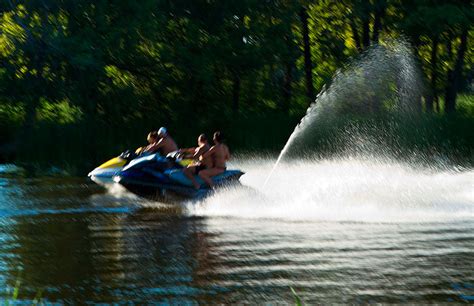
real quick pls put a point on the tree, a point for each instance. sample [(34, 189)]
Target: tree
[(308, 64)]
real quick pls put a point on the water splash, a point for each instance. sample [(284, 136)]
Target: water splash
[(363, 182), (346, 189), (384, 79)]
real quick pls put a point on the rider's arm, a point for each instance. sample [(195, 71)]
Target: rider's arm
[(187, 150), (208, 153), (200, 151), (227, 155), (156, 146)]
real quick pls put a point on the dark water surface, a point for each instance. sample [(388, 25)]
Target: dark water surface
[(76, 242)]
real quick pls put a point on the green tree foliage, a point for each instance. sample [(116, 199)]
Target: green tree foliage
[(169, 62), (439, 31)]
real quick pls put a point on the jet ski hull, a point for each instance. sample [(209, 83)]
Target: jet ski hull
[(125, 161), (165, 185), (109, 168), (154, 176)]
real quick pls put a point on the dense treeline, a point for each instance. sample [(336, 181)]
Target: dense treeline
[(202, 64)]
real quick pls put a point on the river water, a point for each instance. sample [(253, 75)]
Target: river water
[(336, 231)]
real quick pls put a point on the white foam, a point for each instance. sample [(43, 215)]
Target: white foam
[(351, 189)]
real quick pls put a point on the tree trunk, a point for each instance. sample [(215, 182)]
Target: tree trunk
[(449, 104), (285, 106), (366, 25), (25, 134), (378, 16), (434, 59), (366, 33), (416, 47), (355, 34), (308, 65), (449, 45), (235, 93), (454, 76)]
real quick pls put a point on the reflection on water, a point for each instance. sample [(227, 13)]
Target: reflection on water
[(80, 243)]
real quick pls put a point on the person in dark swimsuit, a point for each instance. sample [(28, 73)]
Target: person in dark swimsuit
[(198, 165), (219, 153)]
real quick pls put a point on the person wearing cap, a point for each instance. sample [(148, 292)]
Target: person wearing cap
[(165, 145)]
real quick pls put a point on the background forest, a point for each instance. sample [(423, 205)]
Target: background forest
[(82, 80)]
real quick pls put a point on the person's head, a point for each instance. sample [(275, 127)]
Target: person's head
[(202, 139), (152, 137), (217, 137), (162, 132)]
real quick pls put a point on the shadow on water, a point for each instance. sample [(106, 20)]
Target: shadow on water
[(85, 256)]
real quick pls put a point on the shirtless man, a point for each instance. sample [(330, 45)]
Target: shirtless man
[(195, 152), (197, 165), (166, 144), (219, 153), (152, 139)]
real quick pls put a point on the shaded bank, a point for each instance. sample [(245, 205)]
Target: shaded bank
[(79, 147)]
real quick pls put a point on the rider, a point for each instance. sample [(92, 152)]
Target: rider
[(166, 144), (219, 153), (195, 152), (152, 139), (197, 165)]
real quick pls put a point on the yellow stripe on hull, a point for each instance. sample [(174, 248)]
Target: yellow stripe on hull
[(118, 162), (115, 162), (186, 162)]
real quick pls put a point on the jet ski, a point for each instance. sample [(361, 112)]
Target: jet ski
[(155, 176), (112, 167)]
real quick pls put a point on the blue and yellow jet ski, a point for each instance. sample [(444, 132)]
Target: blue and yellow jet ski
[(113, 166), (155, 176)]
